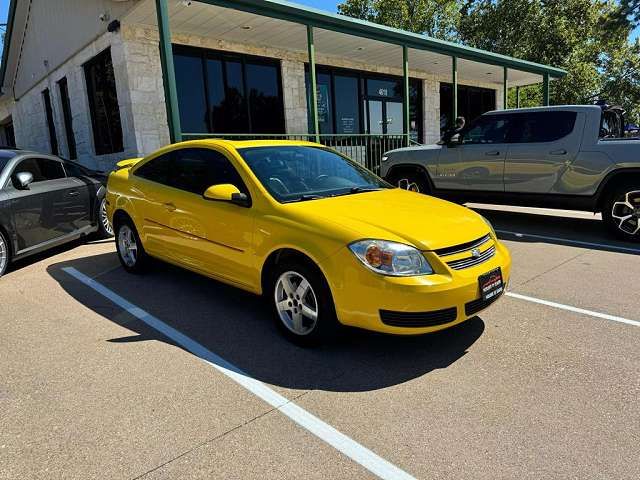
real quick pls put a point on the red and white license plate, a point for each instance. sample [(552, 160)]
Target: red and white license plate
[(491, 284)]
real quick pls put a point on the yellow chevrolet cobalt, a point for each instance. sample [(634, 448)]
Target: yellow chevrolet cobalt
[(327, 242)]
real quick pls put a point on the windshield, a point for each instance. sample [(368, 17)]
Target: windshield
[(298, 173)]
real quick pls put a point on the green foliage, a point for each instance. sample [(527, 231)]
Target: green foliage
[(588, 38), (436, 18)]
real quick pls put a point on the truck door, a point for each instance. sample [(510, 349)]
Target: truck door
[(476, 161), (542, 145)]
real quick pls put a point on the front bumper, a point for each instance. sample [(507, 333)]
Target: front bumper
[(360, 295)]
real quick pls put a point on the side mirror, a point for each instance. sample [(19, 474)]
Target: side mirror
[(23, 180), (227, 193)]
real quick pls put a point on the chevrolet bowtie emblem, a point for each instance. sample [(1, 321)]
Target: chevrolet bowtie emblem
[(475, 253)]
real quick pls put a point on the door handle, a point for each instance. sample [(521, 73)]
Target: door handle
[(170, 206), (493, 153), (73, 193), (559, 152)]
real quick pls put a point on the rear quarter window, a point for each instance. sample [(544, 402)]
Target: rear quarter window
[(541, 127)]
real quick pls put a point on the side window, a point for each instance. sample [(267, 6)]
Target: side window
[(156, 170), (75, 170), (194, 170), (42, 169), (486, 130), (541, 127)]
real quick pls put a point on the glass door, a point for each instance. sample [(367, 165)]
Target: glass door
[(394, 122), (384, 117)]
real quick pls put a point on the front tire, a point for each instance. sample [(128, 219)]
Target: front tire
[(131, 253), (621, 212), (302, 304), (5, 254)]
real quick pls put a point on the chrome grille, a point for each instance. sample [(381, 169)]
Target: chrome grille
[(463, 247), (473, 261)]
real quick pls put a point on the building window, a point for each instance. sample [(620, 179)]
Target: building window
[(220, 92), (355, 102), (472, 102), (53, 139), (103, 104), (8, 138), (68, 120)]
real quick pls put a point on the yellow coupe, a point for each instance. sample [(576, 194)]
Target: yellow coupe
[(326, 241)]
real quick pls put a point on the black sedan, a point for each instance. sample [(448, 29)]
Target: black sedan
[(46, 201)]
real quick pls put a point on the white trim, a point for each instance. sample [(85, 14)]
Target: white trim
[(352, 449)]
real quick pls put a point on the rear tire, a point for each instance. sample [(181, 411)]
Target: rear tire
[(302, 304), (410, 180), (131, 253), (5, 254), (621, 211)]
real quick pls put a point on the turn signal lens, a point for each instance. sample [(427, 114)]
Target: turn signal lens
[(391, 258)]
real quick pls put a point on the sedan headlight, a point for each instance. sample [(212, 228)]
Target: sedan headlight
[(391, 258)]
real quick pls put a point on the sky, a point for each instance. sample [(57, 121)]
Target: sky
[(329, 5)]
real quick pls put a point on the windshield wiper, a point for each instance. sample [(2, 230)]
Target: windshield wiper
[(306, 198), (365, 189)]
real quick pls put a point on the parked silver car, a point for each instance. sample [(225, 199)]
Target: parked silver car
[(567, 157)]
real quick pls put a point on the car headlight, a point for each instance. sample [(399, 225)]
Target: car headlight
[(391, 258), (493, 232)]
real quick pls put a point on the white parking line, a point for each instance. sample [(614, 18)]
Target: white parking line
[(352, 449), (569, 308), (571, 242)]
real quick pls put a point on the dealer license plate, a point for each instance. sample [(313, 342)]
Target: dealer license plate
[(491, 284)]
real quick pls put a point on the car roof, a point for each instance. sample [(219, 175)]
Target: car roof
[(555, 108), (238, 144)]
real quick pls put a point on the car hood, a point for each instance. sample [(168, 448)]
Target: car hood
[(426, 222)]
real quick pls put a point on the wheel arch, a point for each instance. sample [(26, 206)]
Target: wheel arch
[(410, 167), (613, 180), (281, 254)]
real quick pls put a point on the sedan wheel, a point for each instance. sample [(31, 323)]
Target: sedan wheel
[(296, 303), (105, 224), (4, 254), (127, 246)]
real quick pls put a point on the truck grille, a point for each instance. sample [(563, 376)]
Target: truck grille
[(472, 261), (418, 319)]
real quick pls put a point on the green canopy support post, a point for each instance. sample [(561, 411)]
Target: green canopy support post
[(505, 89), (454, 88), (545, 89), (168, 72), (313, 101), (405, 103), (517, 97)]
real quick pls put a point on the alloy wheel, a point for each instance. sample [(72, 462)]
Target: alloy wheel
[(106, 224), (296, 303), (4, 254), (127, 246), (626, 214)]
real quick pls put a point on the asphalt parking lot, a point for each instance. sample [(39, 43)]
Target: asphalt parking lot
[(101, 374)]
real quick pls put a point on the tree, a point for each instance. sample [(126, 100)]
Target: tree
[(436, 18)]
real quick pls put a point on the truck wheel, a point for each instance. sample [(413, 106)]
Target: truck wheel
[(412, 181), (622, 212)]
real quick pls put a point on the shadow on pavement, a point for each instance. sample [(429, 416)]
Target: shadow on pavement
[(237, 326), (564, 230)]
